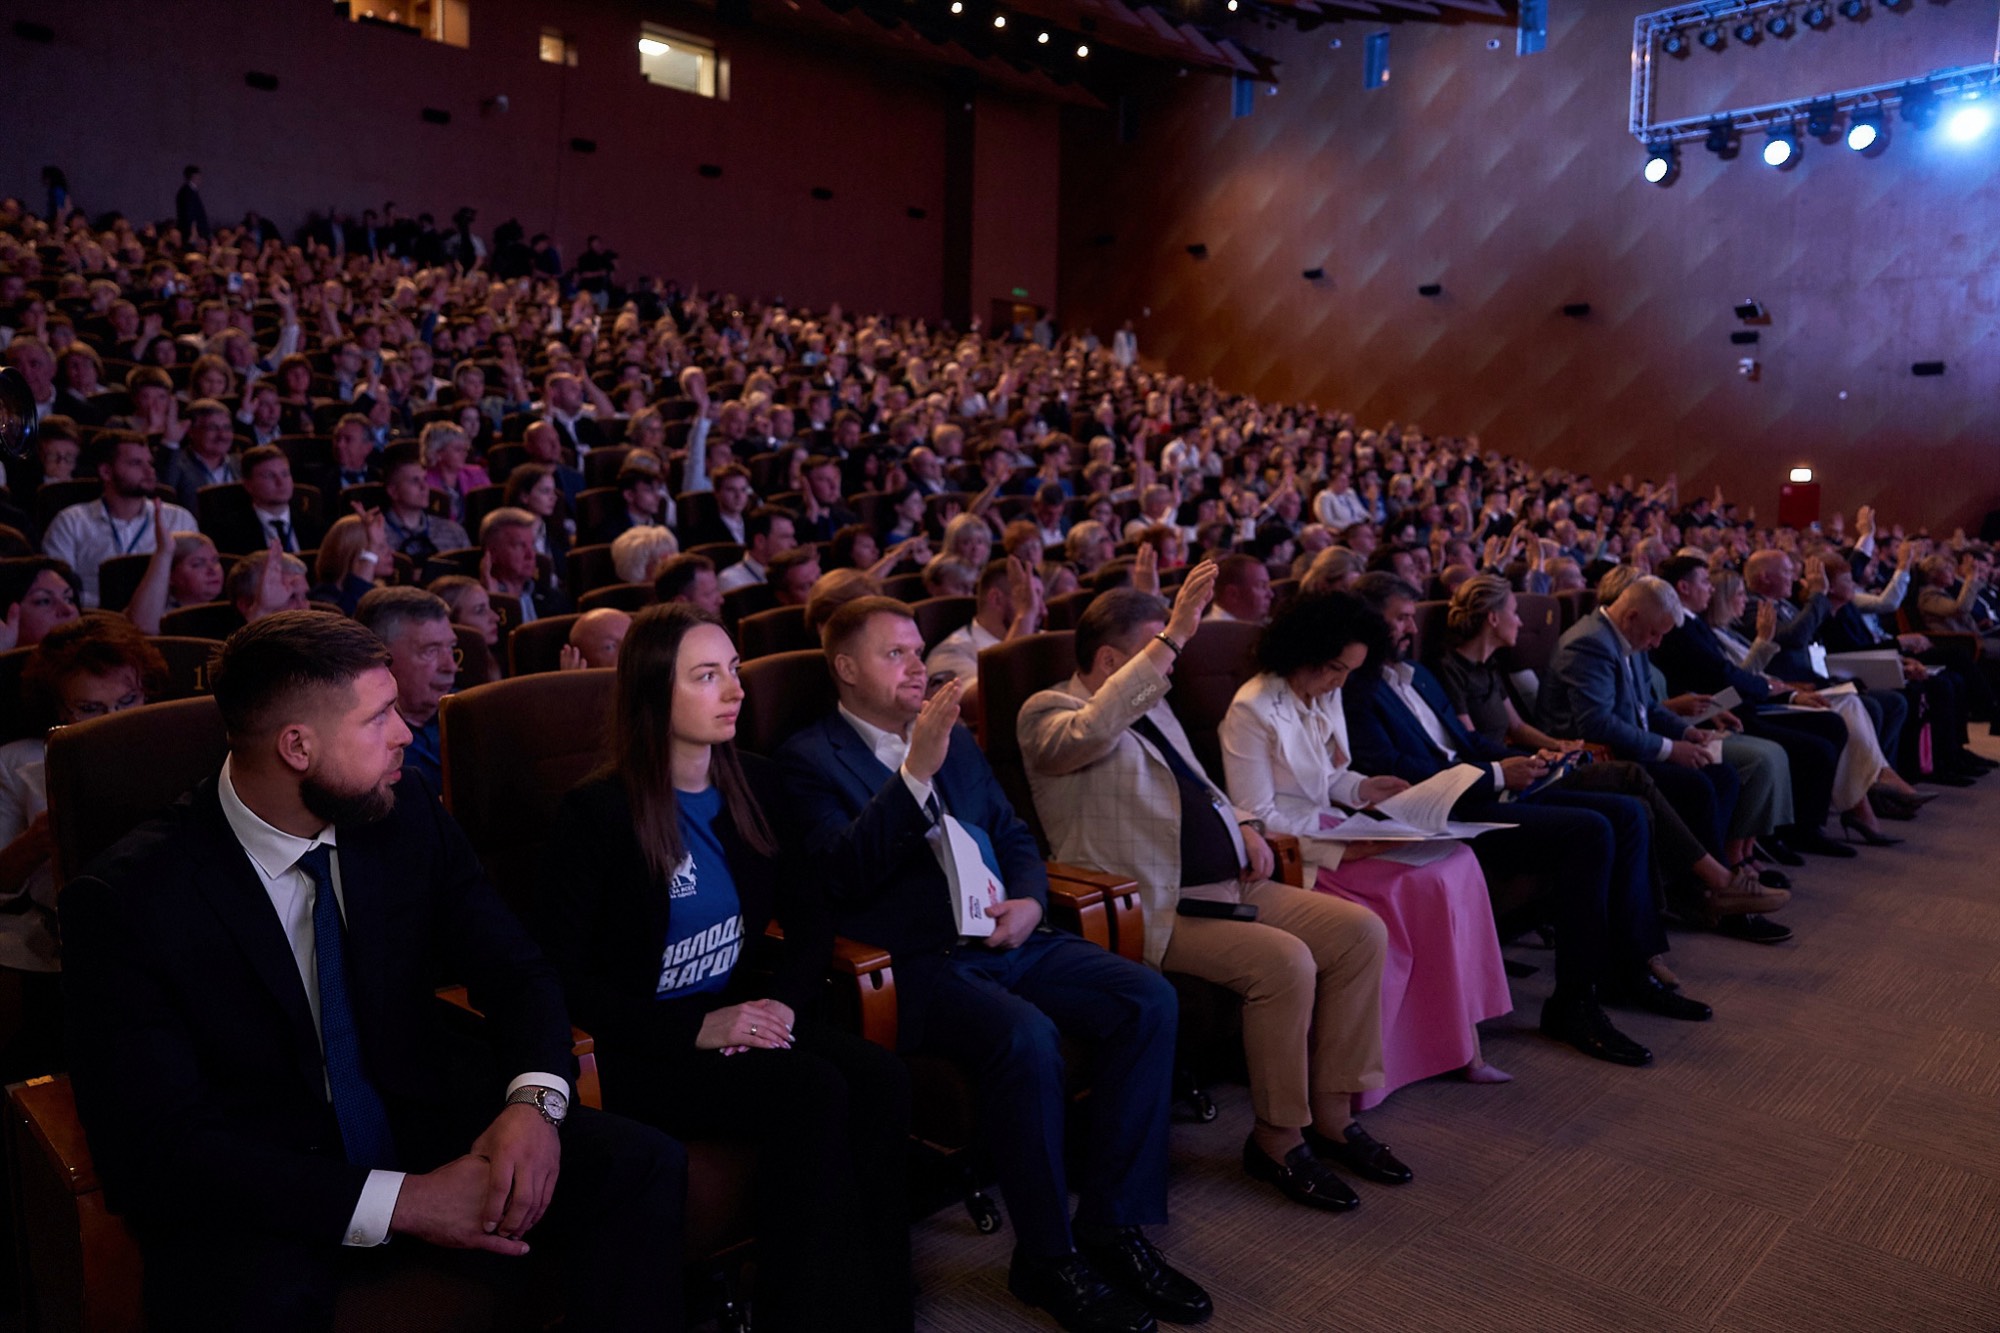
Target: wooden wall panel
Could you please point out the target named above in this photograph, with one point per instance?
(1513, 182)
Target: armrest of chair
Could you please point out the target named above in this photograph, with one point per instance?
(874, 983)
(78, 1261)
(1291, 867)
(866, 974)
(1969, 646)
(582, 1045)
(1101, 907)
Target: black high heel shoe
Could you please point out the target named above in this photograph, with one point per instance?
(1857, 831)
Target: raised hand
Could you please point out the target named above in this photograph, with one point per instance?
(1197, 590)
(1767, 620)
(930, 735)
(1146, 569)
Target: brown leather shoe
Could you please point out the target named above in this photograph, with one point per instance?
(1745, 894)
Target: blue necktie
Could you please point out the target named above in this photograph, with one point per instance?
(364, 1120)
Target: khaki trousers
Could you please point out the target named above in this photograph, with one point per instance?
(1309, 969)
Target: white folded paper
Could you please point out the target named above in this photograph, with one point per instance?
(1416, 814)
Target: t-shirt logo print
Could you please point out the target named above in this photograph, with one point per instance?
(706, 936)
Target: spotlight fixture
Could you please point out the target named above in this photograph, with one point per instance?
(1082, 52)
(1853, 9)
(1782, 148)
(1663, 163)
(1721, 139)
(1674, 42)
(1711, 39)
(958, 6)
(1969, 121)
(1819, 119)
(1232, 6)
(1920, 105)
(1865, 128)
(1747, 33)
(999, 20)
(1198, 250)
(1043, 39)
(1780, 25)
(1816, 16)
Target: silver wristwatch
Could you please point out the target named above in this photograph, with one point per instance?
(551, 1104)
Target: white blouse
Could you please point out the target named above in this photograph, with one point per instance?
(1287, 762)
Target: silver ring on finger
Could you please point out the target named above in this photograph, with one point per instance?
(753, 1029)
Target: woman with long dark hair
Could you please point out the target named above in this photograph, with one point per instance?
(662, 873)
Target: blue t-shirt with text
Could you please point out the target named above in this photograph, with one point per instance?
(705, 918)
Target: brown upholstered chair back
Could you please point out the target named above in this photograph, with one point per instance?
(511, 751)
(1431, 617)
(1576, 605)
(782, 629)
(905, 588)
(590, 567)
(204, 620)
(99, 790)
(1212, 667)
(537, 646)
(939, 617)
(188, 661)
(782, 694)
(1009, 673)
(1541, 631)
(1065, 611)
(617, 596)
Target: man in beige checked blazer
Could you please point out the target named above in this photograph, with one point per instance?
(1118, 790)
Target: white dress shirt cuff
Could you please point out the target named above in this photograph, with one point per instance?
(377, 1206)
(1666, 748)
(1499, 777)
(540, 1079)
(919, 789)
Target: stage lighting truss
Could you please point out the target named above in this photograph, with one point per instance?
(1965, 99)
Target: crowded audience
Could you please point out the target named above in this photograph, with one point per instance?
(403, 455)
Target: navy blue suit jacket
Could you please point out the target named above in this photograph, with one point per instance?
(193, 1050)
(1693, 659)
(865, 836)
(1389, 741)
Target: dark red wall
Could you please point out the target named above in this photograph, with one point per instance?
(1514, 182)
(131, 92)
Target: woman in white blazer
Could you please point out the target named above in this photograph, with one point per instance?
(1285, 751)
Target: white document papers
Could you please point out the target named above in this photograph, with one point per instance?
(1416, 814)
(1876, 668)
(974, 886)
(1718, 703)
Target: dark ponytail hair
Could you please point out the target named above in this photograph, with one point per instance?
(642, 742)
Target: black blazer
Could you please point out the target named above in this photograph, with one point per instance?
(239, 532)
(193, 1052)
(603, 917)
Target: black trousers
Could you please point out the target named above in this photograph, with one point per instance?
(613, 1229)
(1812, 742)
(1594, 850)
(831, 1121)
(1704, 797)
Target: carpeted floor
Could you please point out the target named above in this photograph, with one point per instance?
(1824, 1155)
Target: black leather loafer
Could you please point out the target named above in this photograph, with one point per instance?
(1644, 991)
(1079, 1298)
(1756, 929)
(1816, 842)
(1301, 1177)
(1131, 1263)
(1583, 1025)
(1775, 849)
(1360, 1154)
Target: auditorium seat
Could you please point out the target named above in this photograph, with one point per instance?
(617, 596)
(905, 587)
(1576, 605)
(939, 617)
(1430, 638)
(781, 629)
(589, 567)
(479, 502)
(118, 578)
(1008, 674)
(747, 601)
(188, 660)
(721, 554)
(1541, 631)
(1065, 611)
(537, 646)
(1209, 671)
(203, 620)
(600, 466)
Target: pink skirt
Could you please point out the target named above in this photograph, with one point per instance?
(1443, 972)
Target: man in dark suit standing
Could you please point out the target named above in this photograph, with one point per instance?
(255, 1045)
(906, 819)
